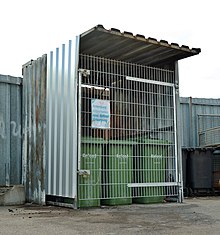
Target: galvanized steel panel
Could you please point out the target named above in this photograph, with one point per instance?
(10, 130)
(62, 120)
(190, 109)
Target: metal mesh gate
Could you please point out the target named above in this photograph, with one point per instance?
(127, 149)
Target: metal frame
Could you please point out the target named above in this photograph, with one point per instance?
(101, 70)
(79, 121)
(175, 131)
(178, 134)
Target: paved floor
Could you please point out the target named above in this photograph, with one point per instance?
(194, 216)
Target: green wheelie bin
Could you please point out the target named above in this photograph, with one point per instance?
(89, 187)
(149, 167)
(117, 173)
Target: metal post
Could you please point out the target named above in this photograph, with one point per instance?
(178, 128)
(190, 123)
(79, 120)
(197, 134)
(82, 72)
(175, 132)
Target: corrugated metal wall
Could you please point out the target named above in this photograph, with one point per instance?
(34, 129)
(10, 130)
(50, 124)
(62, 120)
(190, 108)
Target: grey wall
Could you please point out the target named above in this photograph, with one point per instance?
(10, 130)
(190, 108)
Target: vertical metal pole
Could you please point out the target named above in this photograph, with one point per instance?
(190, 123)
(178, 135)
(79, 136)
(24, 126)
(74, 113)
(197, 133)
(49, 122)
(8, 137)
(175, 131)
(79, 120)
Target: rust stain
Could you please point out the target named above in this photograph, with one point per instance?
(36, 144)
(37, 116)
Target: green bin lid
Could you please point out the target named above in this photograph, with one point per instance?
(122, 141)
(91, 140)
(145, 140)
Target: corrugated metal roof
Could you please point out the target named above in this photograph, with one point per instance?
(125, 46)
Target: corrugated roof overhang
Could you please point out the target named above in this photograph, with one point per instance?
(114, 44)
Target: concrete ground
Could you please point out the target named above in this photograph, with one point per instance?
(194, 216)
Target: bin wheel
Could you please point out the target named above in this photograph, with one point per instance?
(186, 192)
(190, 192)
(213, 192)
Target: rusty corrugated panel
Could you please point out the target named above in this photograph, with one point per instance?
(125, 46)
(34, 129)
(10, 130)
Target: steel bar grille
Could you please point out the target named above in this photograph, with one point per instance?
(134, 158)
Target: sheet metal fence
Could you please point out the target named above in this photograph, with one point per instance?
(50, 124)
(62, 120)
(208, 130)
(127, 143)
(10, 130)
(34, 129)
(190, 108)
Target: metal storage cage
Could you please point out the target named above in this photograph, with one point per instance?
(138, 151)
(112, 120)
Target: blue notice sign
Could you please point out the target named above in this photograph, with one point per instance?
(100, 114)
